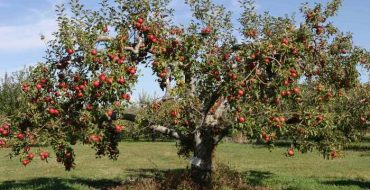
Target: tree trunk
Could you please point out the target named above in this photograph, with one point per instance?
(201, 165)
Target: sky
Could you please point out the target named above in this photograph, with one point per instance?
(22, 22)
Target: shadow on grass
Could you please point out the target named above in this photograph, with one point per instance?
(58, 183)
(253, 177)
(256, 178)
(168, 179)
(360, 147)
(153, 173)
(54, 183)
(349, 182)
(365, 154)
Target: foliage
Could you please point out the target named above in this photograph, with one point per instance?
(11, 92)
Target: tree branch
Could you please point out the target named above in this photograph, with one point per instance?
(168, 88)
(158, 128)
(134, 50)
(215, 96)
(104, 39)
(165, 130)
(224, 132)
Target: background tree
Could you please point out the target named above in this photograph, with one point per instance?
(214, 84)
(11, 92)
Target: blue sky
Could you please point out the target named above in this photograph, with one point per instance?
(22, 22)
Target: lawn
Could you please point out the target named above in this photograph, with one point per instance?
(258, 165)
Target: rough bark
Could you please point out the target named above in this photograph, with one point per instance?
(201, 165)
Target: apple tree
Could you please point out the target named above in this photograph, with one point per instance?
(276, 79)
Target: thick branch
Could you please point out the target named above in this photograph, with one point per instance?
(215, 96)
(223, 133)
(192, 88)
(134, 50)
(220, 110)
(158, 128)
(189, 80)
(168, 88)
(104, 39)
(165, 130)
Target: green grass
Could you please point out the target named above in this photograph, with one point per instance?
(257, 164)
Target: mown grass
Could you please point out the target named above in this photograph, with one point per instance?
(258, 165)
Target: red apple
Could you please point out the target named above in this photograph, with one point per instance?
(126, 97)
(102, 77)
(120, 61)
(105, 29)
(89, 107)
(109, 80)
(206, 30)
(320, 118)
(121, 81)
(173, 113)
(44, 155)
(285, 41)
(118, 128)
(5, 132)
(25, 162)
(140, 20)
(267, 138)
(291, 152)
(110, 113)
(240, 92)
(95, 138)
(70, 51)
(68, 155)
(30, 156)
(38, 86)
(131, 70)
(2, 143)
(94, 52)
(20, 136)
(96, 84)
(241, 119)
(296, 90)
(26, 148)
(333, 154)
(6, 126)
(80, 95)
